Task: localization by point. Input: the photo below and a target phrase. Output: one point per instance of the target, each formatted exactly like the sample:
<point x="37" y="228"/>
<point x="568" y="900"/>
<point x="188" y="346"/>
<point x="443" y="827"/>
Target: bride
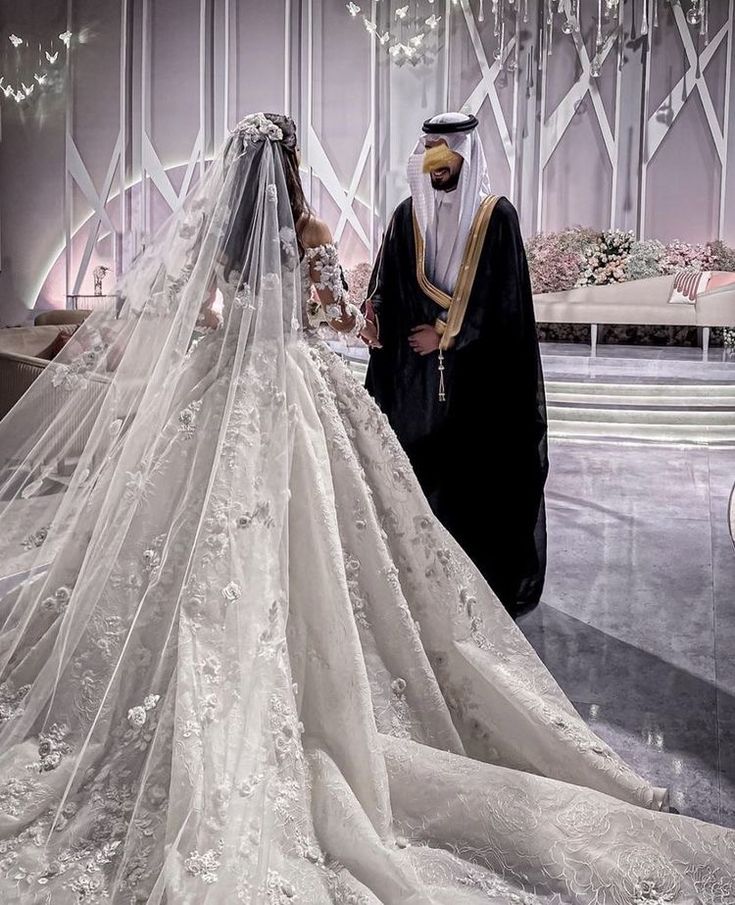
<point x="245" y="663"/>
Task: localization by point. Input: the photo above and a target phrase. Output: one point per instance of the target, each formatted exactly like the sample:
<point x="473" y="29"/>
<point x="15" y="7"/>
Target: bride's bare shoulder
<point x="315" y="232"/>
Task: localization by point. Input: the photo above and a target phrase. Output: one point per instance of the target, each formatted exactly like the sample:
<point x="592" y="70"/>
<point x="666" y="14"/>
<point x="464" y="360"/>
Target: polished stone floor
<point x="637" y="621"/>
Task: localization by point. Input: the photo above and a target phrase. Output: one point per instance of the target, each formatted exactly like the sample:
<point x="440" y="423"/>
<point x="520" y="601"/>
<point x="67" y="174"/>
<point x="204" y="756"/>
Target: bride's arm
<point x="209" y="319"/>
<point x="327" y="278"/>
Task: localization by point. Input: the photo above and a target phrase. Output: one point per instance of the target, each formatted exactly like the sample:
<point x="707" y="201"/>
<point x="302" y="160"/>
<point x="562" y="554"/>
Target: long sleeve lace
<point x="327" y="278"/>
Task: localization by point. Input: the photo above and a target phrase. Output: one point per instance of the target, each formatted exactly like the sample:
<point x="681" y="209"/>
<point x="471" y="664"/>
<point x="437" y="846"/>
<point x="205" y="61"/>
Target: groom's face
<point x="443" y="164"/>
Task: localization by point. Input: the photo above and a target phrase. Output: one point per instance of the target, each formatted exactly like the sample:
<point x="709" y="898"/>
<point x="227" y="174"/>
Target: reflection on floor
<point x="637" y="622"/>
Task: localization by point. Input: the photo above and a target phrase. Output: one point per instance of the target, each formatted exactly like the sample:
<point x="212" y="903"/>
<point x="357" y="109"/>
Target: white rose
<point x="232" y="591"/>
<point x="137" y="717"/>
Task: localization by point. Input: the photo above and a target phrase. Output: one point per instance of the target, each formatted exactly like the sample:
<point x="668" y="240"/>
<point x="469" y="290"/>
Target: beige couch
<point x="644" y="302"/>
<point x="25" y="352"/>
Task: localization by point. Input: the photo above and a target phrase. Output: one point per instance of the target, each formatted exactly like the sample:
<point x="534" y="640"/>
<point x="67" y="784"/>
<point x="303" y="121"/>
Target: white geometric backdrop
<point x="152" y="86"/>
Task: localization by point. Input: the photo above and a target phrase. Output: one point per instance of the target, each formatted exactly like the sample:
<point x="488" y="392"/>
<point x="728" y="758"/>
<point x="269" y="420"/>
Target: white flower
<point x="150" y="701"/>
<point x="151" y="559"/>
<point x="272" y="131"/>
<point x="257" y="127"/>
<point x="59" y="375"/>
<point x="271" y="192"/>
<point x="249" y="785"/>
<point x="271" y="281"/>
<point x="50" y="605"/>
<point x="243" y="297"/>
<point x="232" y="591"/>
<point x="398" y="686"/>
<point x="137" y="717"/>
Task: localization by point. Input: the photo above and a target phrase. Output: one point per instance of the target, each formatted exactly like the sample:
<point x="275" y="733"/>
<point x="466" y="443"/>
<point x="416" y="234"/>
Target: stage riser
<point x="651" y="412"/>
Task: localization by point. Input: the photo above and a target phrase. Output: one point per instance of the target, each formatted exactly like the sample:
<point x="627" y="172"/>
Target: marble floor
<point x="637" y="621"/>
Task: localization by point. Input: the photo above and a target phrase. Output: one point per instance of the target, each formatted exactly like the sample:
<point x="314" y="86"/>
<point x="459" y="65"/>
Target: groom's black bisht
<point x="480" y="455"/>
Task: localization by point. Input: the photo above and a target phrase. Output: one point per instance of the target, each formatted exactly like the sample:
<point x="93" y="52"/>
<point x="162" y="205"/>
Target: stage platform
<point x="633" y="394"/>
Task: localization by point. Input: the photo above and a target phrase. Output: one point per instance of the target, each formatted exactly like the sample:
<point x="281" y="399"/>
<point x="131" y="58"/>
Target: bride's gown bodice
<point x="320" y="262"/>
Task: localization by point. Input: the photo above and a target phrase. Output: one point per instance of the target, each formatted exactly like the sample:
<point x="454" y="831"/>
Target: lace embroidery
<point x="232" y="592"/>
<point x="138" y="716"/>
<point x="205" y="866"/>
<point x="58" y="602"/>
<point x="36" y="539"/>
<point x="321" y="263"/>
<point x="357" y="599"/>
<point x="187" y="419"/>
<point x="11" y="700"/>
<point x="51" y="748"/>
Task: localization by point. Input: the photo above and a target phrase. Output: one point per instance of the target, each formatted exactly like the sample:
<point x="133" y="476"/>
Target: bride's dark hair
<point x="290" y="151"/>
<point x="242" y="219"/>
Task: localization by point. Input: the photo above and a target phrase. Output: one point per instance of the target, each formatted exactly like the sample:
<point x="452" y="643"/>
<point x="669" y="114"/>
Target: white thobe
<point x="442" y="261"/>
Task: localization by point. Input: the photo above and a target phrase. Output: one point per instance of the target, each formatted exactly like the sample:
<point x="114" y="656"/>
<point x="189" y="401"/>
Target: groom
<point x="455" y="361"/>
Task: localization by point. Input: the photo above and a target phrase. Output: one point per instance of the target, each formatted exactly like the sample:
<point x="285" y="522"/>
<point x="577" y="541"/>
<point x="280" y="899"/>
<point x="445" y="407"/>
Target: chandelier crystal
<point x="412" y="28"/>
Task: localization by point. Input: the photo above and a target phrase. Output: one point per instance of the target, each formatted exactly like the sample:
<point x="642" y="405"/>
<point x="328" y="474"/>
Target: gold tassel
<point x="442" y="394"/>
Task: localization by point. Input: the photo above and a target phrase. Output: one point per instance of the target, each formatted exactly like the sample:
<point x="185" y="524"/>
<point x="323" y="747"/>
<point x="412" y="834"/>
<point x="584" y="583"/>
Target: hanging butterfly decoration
<point x="411" y="44"/>
<point x="36" y="79"/>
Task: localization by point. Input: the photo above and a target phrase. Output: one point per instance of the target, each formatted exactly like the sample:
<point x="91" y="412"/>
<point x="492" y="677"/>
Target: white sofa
<point x="644" y="302"/>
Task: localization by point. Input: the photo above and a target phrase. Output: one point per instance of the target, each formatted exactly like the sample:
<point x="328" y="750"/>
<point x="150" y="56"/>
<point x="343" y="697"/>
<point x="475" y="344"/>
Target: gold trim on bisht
<point x="456" y="304"/>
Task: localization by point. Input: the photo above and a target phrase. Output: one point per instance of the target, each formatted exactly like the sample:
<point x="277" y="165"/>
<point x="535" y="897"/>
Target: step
<point x="646" y="410"/>
<point x="641" y="394"/>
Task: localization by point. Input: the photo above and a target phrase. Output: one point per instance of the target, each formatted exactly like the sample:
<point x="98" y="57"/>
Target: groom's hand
<point x="424" y="339"/>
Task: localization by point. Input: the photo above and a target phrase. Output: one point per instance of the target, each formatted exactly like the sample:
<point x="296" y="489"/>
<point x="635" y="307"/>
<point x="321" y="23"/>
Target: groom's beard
<point x="445" y="184"/>
<point x="444" y="166"/>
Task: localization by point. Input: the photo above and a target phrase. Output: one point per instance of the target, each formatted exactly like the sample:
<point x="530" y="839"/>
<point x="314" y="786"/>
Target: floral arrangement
<point x="358" y="280"/>
<point x="585" y="257"/>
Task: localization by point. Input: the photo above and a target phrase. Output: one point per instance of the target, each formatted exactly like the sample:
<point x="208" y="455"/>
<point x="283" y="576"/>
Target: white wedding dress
<point x="250" y="666"/>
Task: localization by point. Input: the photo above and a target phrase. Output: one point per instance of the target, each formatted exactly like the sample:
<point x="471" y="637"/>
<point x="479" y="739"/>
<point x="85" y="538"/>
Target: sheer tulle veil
<point x="143" y="473"/>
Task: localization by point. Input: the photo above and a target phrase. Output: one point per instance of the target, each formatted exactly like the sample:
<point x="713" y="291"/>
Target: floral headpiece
<point x="256" y="128"/>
